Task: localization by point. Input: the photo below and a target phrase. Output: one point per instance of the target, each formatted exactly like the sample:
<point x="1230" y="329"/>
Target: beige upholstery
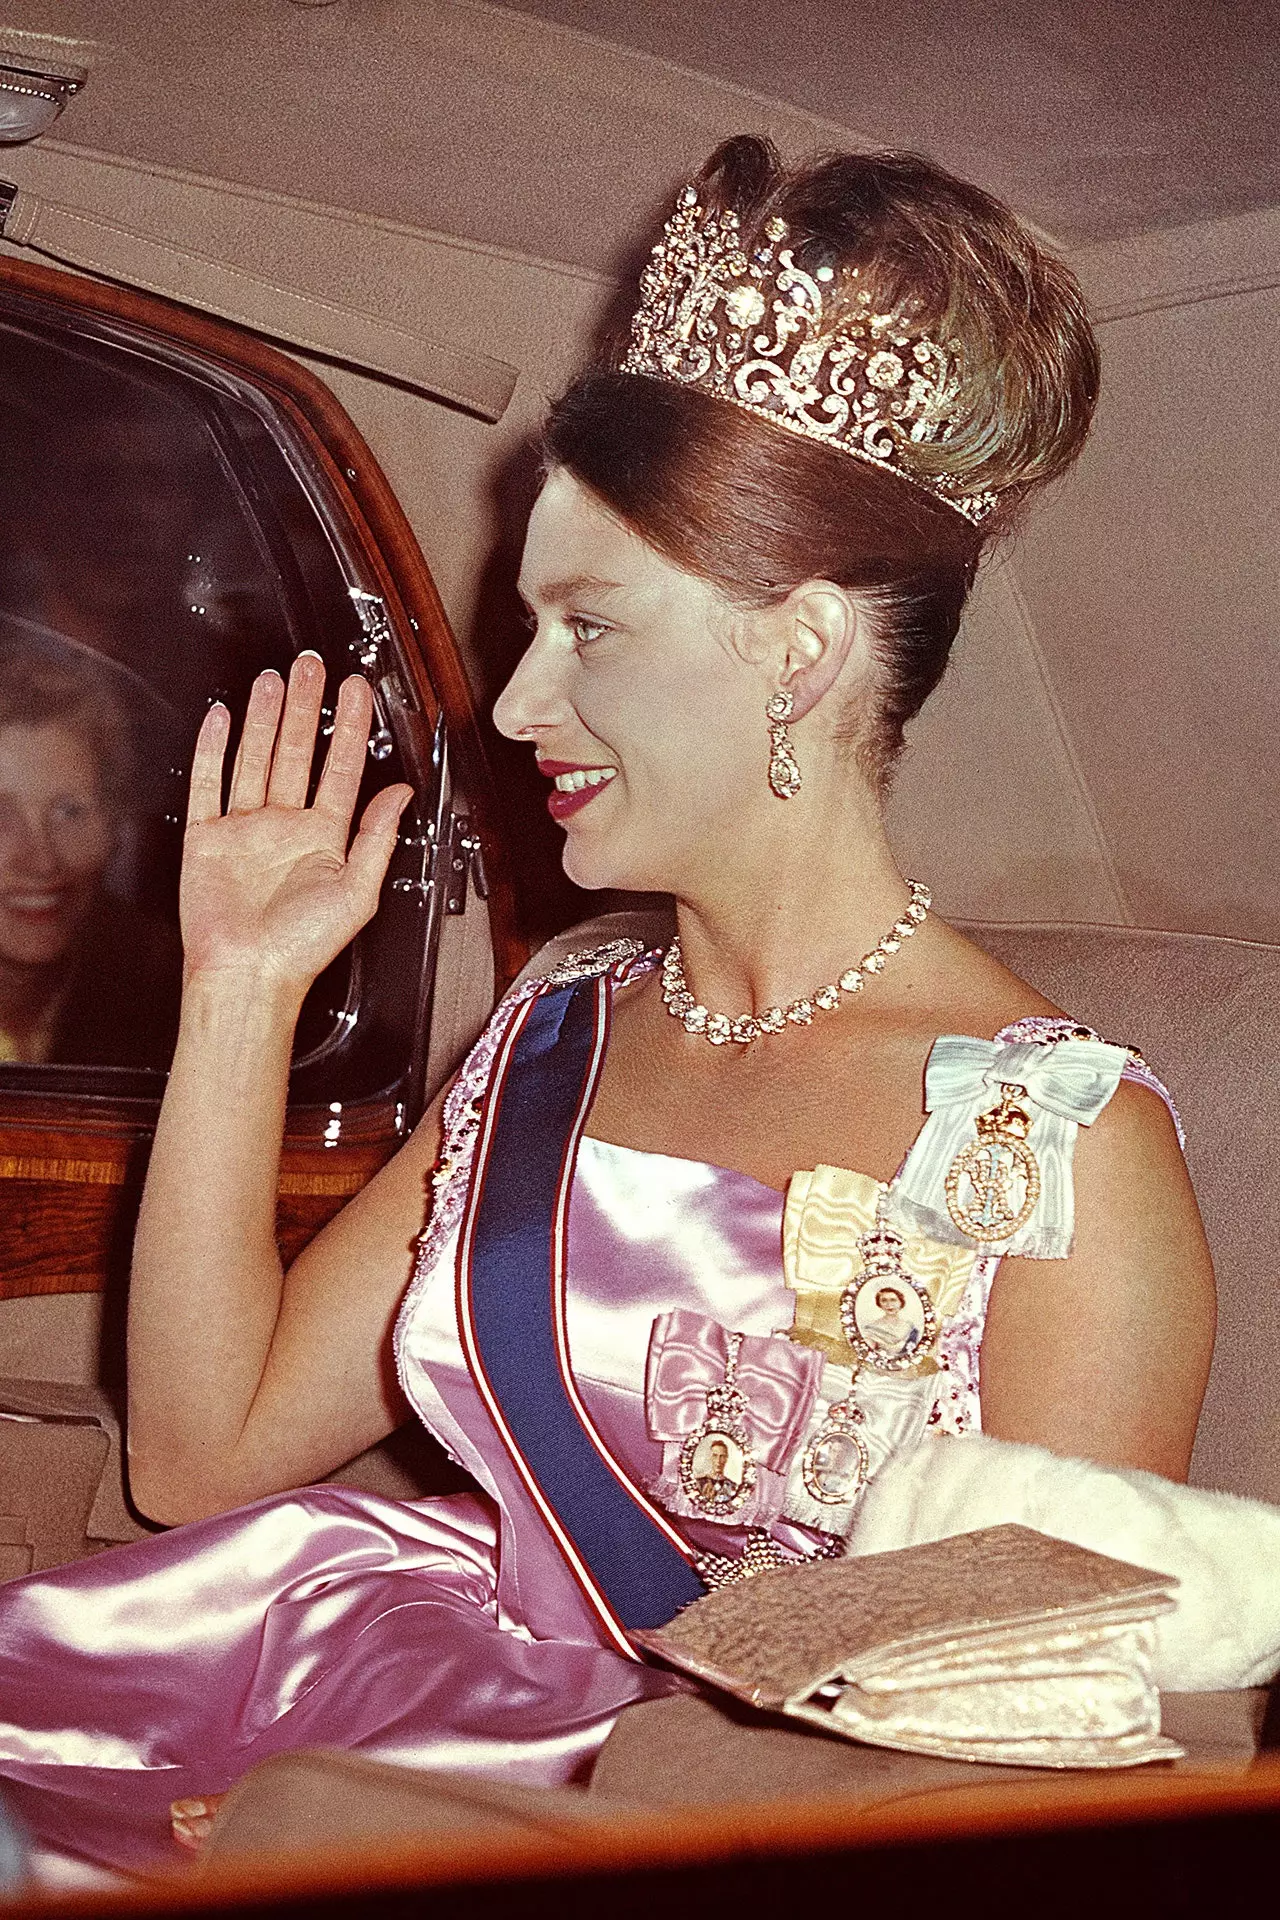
<point x="61" y="1495"/>
<point x="695" y="1749"/>
<point x="299" y="1800"/>
<point x="686" y="1751"/>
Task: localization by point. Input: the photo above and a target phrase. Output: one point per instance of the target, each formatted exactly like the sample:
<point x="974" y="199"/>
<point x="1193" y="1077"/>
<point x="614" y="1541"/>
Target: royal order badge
<point x="717" y="1470"/>
<point x="835" y="1464"/>
<point x="993" y="1184"/>
<point x="887" y="1316"/>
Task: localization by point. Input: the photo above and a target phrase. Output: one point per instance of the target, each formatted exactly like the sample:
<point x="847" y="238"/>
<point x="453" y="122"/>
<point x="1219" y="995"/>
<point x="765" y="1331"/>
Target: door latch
<point x="464" y="857"/>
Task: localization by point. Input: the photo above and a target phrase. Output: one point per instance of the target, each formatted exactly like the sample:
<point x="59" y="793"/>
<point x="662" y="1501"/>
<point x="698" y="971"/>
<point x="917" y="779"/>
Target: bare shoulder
<point x="1105" y="1354"/>
<point x="1131" y="1155"/>
<point x="979" y="994"/>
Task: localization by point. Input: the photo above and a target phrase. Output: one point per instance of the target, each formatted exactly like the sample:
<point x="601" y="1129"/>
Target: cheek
<point x="680" y="731"/>
<point x="83" y="851"/>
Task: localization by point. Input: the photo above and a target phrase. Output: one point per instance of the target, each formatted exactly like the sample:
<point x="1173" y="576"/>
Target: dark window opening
<point x="164" y="535"/>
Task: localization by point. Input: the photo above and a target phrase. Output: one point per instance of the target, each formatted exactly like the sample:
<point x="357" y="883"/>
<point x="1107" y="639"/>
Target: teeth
<point x="583" y="777"/>
<point x="34" y="902"/>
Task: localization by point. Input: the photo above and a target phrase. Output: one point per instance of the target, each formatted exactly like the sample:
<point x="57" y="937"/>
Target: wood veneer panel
<point x="68" y="1204"/>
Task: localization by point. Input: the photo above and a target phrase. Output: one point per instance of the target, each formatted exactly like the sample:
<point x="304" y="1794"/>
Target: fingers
<point x="344" y="763"/>
<point x="204" y="797"/>
<point x="257" y="741"/>
<point x="373" y="846"/>
<point x="296" y="739"/>
<point x="277" y="744"/>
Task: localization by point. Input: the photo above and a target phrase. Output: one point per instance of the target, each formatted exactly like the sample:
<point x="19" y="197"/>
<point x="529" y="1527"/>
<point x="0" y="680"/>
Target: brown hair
<point x="40" y="688"/>
<point x="757" y="510"/>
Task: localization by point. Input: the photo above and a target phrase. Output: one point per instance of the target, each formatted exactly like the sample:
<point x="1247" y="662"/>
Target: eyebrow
<point x="556" y="592"/>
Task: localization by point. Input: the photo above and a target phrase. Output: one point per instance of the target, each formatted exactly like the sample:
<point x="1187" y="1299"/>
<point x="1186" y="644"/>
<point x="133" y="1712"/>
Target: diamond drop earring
<point x="784" y="771"/>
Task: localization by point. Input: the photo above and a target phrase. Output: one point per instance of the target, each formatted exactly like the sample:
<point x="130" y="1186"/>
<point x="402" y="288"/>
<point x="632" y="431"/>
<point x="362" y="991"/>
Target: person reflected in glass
<point x="86" y="978"/>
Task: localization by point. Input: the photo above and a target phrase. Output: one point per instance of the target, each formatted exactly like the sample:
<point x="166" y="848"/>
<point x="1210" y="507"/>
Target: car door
<point x="180" y="506"/>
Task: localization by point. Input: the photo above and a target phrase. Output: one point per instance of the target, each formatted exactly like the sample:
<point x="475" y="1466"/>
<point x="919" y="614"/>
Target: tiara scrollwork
<point x="754" y="328"/>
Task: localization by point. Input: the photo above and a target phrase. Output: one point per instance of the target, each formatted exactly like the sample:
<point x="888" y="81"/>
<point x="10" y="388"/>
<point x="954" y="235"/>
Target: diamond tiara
<point x="751" y="329"/>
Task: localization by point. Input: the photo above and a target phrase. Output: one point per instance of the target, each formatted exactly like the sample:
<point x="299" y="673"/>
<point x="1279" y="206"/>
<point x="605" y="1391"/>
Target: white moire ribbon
<point x="1067" y="1082"/>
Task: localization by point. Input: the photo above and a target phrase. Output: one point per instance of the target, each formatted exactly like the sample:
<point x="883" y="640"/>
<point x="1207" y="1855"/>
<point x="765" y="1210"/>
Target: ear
<point x="822" y="627"/>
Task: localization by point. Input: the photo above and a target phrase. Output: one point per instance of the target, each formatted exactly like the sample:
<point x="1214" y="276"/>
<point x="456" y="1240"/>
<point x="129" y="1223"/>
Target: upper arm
<point x="1106" y="1355"/>
<point x="328" y="1388"/>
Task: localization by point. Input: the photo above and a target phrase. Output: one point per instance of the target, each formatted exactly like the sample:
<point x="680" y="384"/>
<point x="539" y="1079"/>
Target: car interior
<point x="285" y="286"/>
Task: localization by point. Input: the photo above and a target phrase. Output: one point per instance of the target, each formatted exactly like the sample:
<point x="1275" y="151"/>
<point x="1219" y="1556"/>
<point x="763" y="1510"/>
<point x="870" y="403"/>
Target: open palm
<point x="270" y="886"/>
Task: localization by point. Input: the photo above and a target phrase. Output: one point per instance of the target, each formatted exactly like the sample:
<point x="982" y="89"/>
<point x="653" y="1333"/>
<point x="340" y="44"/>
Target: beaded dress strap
<point x="1047" y="1029"/>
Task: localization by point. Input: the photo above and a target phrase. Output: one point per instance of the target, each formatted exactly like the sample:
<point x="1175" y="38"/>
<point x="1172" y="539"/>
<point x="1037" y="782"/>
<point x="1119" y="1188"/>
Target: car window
<point x="164" y="535"/>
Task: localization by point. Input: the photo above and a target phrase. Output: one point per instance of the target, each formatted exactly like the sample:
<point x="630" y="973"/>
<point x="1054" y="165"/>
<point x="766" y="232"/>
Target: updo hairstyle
<point x="757" y="510"/>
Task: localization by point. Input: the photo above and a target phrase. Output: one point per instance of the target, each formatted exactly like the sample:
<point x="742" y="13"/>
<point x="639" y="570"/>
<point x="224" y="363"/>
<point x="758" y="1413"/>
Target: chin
<point x="597" y="867"/>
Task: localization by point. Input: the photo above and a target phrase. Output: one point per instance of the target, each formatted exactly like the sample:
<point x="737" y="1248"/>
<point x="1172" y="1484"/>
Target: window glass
<point x="161" y="540"/>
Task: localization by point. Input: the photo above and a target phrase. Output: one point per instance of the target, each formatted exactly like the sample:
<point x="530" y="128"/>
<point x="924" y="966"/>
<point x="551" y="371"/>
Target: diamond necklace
<point x="746" y="1027"/>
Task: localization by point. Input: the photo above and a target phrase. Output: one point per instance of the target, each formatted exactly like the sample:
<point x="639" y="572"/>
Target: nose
<point x="534" y="700"/>
<point x="31" y="847"/>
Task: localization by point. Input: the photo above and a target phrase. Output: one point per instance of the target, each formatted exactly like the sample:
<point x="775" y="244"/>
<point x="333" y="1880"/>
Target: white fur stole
<point x="1223" y="1550"/>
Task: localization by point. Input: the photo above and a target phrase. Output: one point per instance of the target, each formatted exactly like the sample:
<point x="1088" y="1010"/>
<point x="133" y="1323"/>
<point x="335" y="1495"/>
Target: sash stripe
<point x="631" y="1563"/>
<point x="467" y="1330"/>
<point x="560" y="1272"/>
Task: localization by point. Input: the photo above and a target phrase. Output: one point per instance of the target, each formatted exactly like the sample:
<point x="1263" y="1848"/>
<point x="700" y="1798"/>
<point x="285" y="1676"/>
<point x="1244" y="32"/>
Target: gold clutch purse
<point x="1002" y="1645"/>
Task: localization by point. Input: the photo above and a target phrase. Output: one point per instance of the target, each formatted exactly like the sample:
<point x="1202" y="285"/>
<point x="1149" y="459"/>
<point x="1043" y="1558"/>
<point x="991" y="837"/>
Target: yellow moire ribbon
<point x="827" y="1212"/>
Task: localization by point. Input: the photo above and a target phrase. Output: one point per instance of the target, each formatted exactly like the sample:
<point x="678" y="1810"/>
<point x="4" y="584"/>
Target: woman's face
<point x="55" y="840"/>
<point x="640" y="708"/>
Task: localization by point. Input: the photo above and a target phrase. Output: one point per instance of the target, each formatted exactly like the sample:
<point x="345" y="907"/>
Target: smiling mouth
<point x="37" y="905"/>
<point x="574" y="786"/>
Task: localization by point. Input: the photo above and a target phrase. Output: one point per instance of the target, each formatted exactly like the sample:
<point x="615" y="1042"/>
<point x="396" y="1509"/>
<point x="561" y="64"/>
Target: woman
<point x="85" y="978"/>
<point x="744" y="571"/>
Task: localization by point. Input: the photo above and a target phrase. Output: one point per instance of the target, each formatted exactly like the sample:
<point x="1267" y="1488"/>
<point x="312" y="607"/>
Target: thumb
<point x="374" y="844"/>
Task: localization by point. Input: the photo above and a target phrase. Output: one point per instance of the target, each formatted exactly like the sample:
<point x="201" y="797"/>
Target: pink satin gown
<point x="445" y="1632"/>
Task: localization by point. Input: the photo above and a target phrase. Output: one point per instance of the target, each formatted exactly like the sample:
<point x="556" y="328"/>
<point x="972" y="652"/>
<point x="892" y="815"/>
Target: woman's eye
<point x="584" y="630"/>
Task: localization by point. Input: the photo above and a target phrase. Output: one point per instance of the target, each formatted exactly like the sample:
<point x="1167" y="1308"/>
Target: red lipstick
<point x="561" y="805"/>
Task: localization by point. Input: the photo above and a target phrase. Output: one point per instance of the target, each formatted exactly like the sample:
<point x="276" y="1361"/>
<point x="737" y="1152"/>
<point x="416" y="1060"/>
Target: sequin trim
<point x="451" y="1175"/>
<point x="1048" y="1029"/>
<point x="957" y="1404"/>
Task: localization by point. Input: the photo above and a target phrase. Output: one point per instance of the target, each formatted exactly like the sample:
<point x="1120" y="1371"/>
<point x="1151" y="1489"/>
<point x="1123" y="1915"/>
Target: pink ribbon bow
<point x="688" y="1356"/>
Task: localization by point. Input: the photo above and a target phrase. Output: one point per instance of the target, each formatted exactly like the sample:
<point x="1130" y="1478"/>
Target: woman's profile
<point x="761" y="516"/>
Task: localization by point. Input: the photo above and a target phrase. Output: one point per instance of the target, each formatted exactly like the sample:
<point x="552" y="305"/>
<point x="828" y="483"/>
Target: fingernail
<point x="309" y="653"/>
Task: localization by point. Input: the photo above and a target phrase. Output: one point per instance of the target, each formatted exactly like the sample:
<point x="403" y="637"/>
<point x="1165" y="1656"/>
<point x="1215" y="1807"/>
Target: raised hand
<point x="270" y="888"/>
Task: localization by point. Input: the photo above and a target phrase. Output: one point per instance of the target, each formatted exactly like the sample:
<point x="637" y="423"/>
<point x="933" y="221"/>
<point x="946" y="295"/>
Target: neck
<point x="27" y="996"/>
<point x="810" y="906"/>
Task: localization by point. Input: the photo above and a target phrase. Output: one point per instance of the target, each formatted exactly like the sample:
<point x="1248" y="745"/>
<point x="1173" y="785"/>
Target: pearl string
<point x="746" y="1027"/>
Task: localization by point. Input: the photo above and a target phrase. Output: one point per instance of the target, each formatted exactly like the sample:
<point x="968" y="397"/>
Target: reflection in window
<point x="161" y="540"/>
<point x="87" y="974"/>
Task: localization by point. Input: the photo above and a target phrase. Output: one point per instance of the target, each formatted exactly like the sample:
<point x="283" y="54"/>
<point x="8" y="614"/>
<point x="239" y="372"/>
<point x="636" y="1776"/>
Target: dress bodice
<point x="648" y="1233"/>
<point x="650" y="1236"/>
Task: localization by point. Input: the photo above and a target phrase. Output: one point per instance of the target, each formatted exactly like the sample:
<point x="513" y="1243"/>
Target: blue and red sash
<point x="633" y="1566"/>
